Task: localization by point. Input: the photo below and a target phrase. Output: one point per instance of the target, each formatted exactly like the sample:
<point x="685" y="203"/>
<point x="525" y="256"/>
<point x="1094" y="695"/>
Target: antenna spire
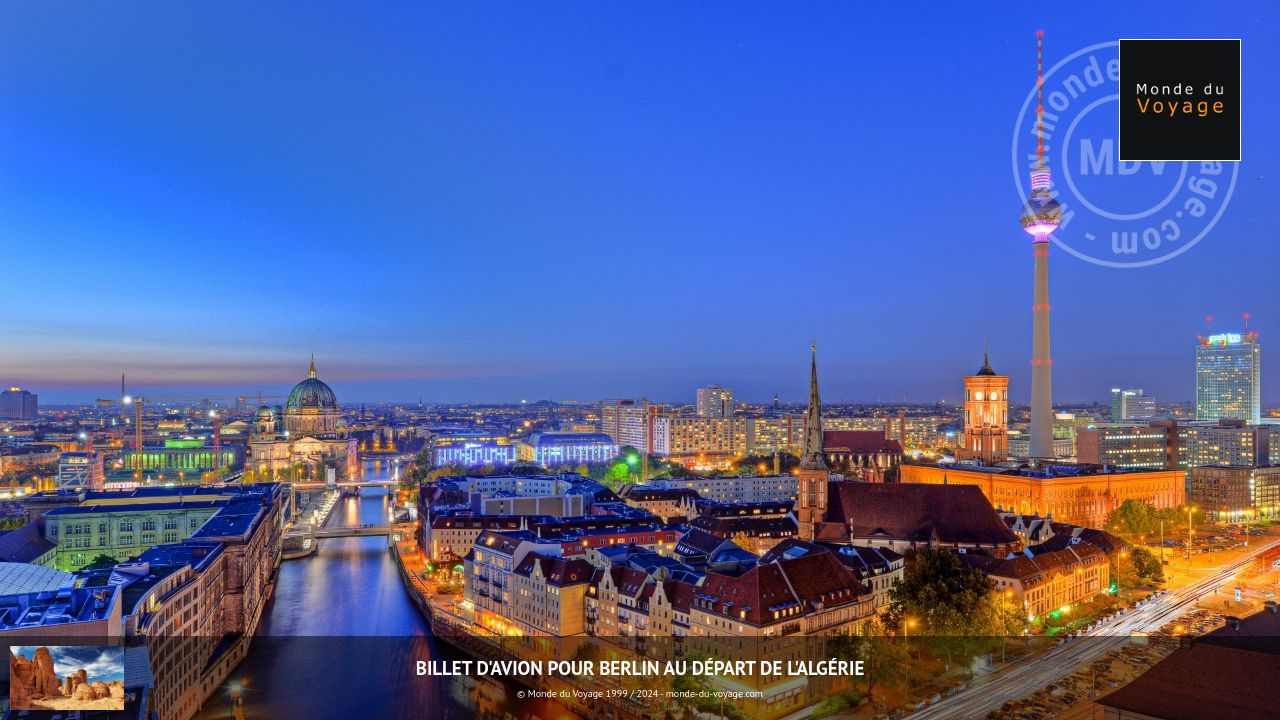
<point x="1040" y="98"/>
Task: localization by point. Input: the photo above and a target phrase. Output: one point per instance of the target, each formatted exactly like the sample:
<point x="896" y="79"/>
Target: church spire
<point x="311" y="373"/>
<point x="813" y="458"/>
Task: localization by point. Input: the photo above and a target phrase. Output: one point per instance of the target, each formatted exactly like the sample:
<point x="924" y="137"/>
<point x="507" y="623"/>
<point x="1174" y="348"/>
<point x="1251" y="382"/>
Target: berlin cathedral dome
<point x="312" y="408"/>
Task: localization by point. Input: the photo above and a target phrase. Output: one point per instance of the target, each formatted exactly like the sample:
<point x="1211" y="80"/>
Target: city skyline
<point x="408" y="230"/>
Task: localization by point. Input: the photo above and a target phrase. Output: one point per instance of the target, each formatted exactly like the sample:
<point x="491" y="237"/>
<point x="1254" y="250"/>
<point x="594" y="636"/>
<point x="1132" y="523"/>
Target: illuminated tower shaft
<point x="1040" y="217"/>
<point x="1041" y="362"/>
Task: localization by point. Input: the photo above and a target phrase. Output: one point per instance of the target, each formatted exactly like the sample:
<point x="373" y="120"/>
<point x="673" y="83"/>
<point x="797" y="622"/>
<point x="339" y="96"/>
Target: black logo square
<point x="1179" y="100"/>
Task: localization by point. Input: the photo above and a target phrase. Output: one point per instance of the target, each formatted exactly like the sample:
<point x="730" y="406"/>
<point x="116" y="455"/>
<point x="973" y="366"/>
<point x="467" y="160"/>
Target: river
<point x="340" y="638"/>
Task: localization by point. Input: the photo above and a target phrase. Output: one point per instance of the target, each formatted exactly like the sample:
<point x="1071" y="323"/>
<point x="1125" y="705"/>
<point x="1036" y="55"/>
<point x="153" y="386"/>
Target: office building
<point x="1228" y="377"/>
<point x="1234" y="493"/>
<point x="715" y="402"/>
<point x="18" y="404"/>
<point x="1226" y="442"/>
<point x="630" y="424"/>
<point x="1128" y="445"/>
<point x="1127" y="405"/>
<point x="700" y="440"/>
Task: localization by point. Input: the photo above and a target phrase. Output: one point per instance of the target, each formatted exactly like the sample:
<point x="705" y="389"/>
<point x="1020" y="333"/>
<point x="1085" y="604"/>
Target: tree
<point x="884" y="660"/>
<point x="1146" y="565"/>
<point x="102" y="562"/>
<point x="1134" y="517"/>
<point x="746" y="542"/>
<point x="951" y="602"/>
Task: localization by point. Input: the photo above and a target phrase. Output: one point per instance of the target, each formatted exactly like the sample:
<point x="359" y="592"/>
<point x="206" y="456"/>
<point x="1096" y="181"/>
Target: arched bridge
<point x="343" y="531"/>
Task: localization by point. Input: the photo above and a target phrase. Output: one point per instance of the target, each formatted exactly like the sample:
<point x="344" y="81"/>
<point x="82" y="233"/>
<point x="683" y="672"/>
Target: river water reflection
<point x="340" y="638"/>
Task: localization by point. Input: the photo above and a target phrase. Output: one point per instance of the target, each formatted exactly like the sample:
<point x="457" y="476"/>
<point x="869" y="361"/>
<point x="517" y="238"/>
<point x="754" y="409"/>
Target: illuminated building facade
<point x="775" y="434"/>
<point x="1226" y="442"/>
<point x="18" y="404"/>
<point x="733" y="488"/>
<point x="122" y="525"/>
<point x="1072" y="493"/>
<point x="558" y="448"/>
<point x="1128" y="445"/>
<point x="306" y="433"/>
<point x="986" y="416"/>
<point x="190" y="456"/>
<point x="1228" y="377"/>
<point x="1046" y="582"/>
<point x="715" y="402"/>
<point x="472" y="450"/>
<point x="312" y="409"/>
<point x="1132" y="404"/>
<point x="1234" y="493"/>
<point x="630" y="423"/>
<point x="689" y="436"/>
<point x="80" y="471"/>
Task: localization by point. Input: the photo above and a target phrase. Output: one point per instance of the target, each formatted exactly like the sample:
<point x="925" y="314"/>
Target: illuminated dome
<point x="266" y="413"/>
<point x="312" y="408"/>
<point x="311" y="394"/>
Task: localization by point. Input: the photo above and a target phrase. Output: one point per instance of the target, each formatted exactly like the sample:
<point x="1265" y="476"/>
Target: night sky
<point x="493" y="202"/>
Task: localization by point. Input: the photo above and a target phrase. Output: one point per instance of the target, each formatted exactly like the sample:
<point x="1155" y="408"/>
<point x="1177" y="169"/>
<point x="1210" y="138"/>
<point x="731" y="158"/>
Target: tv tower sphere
<point x="1041" y="215"/>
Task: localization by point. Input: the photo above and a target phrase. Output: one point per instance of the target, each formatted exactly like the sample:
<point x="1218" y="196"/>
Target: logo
<point x="1115" y="213"/>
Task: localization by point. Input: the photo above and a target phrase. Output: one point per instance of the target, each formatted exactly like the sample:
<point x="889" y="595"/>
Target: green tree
<point x="951" y="603"/>
<point x="885" y="661"/>
<point x="1134" y="517"/>
<point x="102" y="562"/>
<point x="1146" y="565"/>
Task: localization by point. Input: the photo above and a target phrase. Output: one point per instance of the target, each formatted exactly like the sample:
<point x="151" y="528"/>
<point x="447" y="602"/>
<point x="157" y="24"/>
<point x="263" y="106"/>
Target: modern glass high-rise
<point x="1228" y="377"/>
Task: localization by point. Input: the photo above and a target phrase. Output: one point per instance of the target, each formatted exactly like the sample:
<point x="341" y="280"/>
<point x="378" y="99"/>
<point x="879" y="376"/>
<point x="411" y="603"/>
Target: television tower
<point x="1040" y="217"/>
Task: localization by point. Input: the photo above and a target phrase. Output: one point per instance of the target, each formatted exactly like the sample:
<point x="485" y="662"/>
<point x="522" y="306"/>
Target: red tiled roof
<point x="679" y="594"/>
<point x="557" y="570"/>
<point x="795" y="582"/>
<point x="1027" y="569"/>
<point x="917" y="512"/>
<point x="1204" y="682"/>
<point x="858" y="441"/>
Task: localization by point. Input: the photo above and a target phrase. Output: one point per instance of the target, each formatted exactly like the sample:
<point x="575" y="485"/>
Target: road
<point x="1037" y="671"/>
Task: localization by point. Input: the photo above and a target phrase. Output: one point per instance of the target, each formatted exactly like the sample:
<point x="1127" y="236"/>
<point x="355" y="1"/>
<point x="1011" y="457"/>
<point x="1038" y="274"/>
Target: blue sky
<point x="101" y="664"/>
<point x="504" y="201"/>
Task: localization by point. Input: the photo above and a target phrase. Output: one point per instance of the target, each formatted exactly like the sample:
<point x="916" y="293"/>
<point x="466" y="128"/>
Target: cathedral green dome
<point x="311" y="394"/>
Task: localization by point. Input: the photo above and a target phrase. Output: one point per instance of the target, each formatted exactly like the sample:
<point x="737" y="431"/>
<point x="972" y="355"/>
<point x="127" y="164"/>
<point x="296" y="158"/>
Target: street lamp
<point x="1190" y="533"/>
